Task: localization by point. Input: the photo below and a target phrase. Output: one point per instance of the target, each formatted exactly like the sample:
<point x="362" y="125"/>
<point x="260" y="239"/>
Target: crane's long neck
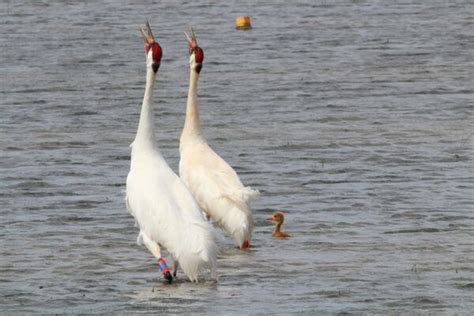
<point x="192" y="126"/>
<point x="145" y="135"/>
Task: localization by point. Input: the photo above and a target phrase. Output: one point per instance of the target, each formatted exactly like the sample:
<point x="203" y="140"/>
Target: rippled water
<point x="354" y="117"/>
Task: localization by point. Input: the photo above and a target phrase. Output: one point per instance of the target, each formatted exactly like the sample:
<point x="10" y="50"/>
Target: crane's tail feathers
<point x="251" y="194"/>
<point x="198" y="251"/>
<point x="245" y="195"/>
<point x="242" y="198"/>
<point x="236" y="220"/>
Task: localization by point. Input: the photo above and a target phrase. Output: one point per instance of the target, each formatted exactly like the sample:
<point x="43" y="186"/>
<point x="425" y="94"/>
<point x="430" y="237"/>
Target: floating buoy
<point x="242" y="23"/>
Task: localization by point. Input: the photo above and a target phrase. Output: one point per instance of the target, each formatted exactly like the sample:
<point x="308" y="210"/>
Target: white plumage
<point x="163" y="207"/>
<point x="215" y="185"/>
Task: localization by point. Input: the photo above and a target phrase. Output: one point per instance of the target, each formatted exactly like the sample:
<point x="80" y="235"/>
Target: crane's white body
<point x="163" y="207"/>
<point x="214" y="184"/>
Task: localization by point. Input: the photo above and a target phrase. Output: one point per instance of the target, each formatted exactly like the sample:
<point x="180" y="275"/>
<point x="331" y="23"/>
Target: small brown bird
<point x="279" y="218"/>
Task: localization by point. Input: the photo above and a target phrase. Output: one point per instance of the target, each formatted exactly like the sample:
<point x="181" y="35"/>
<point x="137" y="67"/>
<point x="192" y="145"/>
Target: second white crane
<point x="215" y="185"/>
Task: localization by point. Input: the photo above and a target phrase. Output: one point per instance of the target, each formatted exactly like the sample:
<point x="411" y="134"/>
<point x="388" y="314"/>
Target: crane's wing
<point x="211" y="177"/>
<point x="159" y="201"/>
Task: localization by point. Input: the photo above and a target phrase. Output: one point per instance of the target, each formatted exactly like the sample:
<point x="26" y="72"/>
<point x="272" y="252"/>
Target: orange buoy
<point x="242" y="23"/>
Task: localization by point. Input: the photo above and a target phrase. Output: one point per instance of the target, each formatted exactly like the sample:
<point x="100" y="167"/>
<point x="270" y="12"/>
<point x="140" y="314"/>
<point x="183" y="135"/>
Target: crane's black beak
<point x="155" y="66"/>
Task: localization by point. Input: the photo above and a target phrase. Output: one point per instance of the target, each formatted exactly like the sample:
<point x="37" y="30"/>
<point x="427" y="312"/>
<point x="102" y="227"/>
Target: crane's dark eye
<point x="191" y="50"/>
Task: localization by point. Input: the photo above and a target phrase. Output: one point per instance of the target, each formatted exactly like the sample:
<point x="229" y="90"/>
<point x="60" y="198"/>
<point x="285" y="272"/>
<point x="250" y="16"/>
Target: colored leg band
<point x="163" y="266"/>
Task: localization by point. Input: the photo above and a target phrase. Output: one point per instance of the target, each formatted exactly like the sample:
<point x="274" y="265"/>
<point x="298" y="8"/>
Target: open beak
<point x="147" y="34"/>
<point x="192" y="42"/>
<point x="149" y="39"/>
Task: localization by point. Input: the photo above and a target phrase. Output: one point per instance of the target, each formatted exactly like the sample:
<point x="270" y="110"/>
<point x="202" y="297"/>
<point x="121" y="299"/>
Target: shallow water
<point x="354" y="117"/>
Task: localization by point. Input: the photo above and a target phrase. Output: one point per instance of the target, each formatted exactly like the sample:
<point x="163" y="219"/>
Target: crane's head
<point x="196" y="54"/>
<point x="152" y="48"/>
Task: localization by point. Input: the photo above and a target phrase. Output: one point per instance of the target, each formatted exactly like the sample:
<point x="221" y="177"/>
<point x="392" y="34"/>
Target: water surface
<point x="354" y="117"/>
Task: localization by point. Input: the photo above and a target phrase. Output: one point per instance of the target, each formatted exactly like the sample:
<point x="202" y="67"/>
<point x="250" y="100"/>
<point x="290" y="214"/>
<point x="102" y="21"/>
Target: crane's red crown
<point x="156" y="49"/>
<point x="198" y="54"/>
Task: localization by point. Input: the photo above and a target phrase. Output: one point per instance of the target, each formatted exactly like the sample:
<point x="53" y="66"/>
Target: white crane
<point x="215" y="185"/>
<point x="163" y="207"/>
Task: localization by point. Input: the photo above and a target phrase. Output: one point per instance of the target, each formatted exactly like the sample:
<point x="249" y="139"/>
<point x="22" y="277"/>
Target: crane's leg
<point x="175" y="267"/>
<point x="154" y="248"/>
